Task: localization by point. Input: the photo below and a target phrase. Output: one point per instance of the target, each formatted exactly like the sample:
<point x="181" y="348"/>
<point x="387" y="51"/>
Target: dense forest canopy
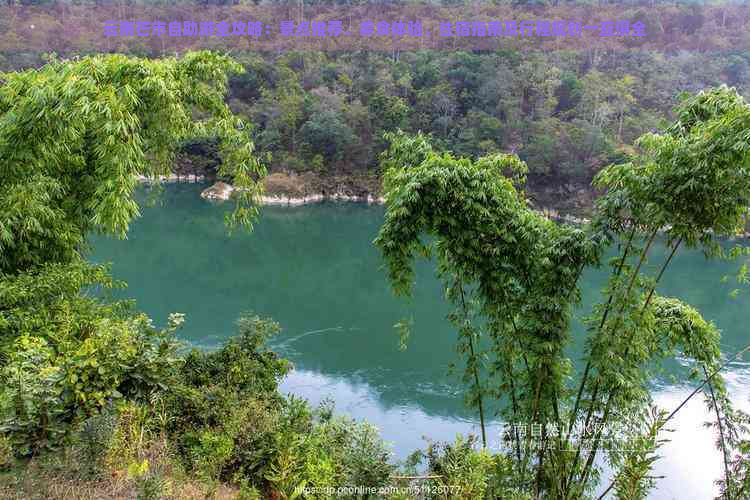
<point x="566" y="114"/>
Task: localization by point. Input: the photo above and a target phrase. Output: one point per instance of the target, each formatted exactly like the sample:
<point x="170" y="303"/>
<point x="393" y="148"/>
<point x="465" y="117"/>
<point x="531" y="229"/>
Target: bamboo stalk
<point x="607" y="407"/>
<point x="474" y="366"/>
<point x="685" y="401"/>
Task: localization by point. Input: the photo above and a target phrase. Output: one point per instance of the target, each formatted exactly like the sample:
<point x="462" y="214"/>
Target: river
<point x="315" y="271"/>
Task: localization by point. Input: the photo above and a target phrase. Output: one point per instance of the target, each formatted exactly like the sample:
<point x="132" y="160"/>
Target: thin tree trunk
<point x="724" y="455"/>
<point x="595" y="391"/>
<point x="608" y="405"/>
<point x="475" y="369"/>
<point x="601" y="325"/>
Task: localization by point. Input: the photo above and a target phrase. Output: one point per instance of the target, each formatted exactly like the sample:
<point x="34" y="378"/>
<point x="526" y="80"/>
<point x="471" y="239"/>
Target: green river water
<point x="315" y="271"/>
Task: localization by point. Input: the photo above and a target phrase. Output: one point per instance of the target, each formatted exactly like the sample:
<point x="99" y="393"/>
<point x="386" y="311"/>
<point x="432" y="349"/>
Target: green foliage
<point x="566" y="113"/>
<point x="92" y="442"/>
<point x="150" y="487"/>
<point x="325" y="134"/>
<point x="211" y="452"/>
<point x="359" y="448"/>
<point x="50" y="385"/>
<point x="65" y="355"/>
<point x="465" y="471"/>
<point x="316" y="450"/>
<point x="317" y="163"/>
<point x="692" y="179"/>
<point x="32" y="411"/>
<point x="47" y="300"/>
<point x="512" y="276"/>
<point x="133" y="430"/>
<point x="692" y="182"/>
<point x="468" y="473"/>
<point x="230" y="423"/>
<point x="210" y="384"/>
<point x="635" y="463"/>
<point x="6" y="453"/>
<point x="82" y="372"/>
<point x="74" y="135"/>
<point x="588" y="104"/>
<point x="521" y="268"/>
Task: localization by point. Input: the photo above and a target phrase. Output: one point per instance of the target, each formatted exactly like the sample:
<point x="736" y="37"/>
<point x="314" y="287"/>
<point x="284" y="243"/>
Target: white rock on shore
<point x="219" y="191"/>
<point x="172" y="178"/>
<point x="223" y="191"/>
<point x="317" y="198"/>
<point x="287" y="200"/>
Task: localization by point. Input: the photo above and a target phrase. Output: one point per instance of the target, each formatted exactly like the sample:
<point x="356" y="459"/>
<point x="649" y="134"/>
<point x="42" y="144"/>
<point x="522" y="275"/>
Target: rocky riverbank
<point x="301" y="189"/>
<point x="191" y="178"/>
<point x="221" y="191"/>
<point x="565" y="203"/>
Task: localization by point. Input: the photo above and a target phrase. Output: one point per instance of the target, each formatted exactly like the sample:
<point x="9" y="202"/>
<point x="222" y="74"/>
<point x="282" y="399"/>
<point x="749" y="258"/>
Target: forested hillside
<point x="567" y="114"/>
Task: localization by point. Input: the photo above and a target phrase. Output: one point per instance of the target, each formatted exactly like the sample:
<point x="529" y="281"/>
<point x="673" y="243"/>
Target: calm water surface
<point x="314" y="270"/>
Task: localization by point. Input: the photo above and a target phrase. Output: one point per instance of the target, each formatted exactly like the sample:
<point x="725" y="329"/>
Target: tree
<point x="290" y="98"/>
<point x="604" y="100"/>
<point x="389" y="112"/>
<point x="479" y="133"/>
<point x="326" y="134"/>
<point x="439" y="107"/>
<point x="513" y="276"/>
<point x="74" y="136"/>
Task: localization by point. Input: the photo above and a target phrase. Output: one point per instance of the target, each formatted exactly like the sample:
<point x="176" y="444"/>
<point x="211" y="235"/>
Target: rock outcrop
<point x="219" y="191"/>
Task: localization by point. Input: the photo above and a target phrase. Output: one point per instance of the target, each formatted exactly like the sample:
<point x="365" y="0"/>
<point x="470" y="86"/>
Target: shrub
<point x="32" y="414"/>
<point x="6" y="453"/>
<point x="49" y="387"/>
<point x="229" y="422"/>
<point x="92" y="442"/>
<point x="358" y="446"/>
<point x="211" y="451"/>
<point x="470" y="473"/>
<point x="125" y="402"/>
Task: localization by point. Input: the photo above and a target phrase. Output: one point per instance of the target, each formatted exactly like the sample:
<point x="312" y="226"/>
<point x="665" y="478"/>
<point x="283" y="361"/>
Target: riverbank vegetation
<point x="97" y="402"/>
<point x="174" y="424"/>
<point x="94" y="400"/>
